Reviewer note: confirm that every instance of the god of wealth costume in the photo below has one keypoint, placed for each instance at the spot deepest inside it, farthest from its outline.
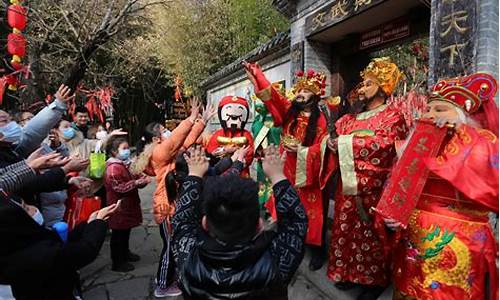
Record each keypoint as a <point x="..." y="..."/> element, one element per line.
<point x="365" y="153"/>
<point x="233" y="115"/>
<point x="448" y="250"/>
<point x="301" y="168"/>
<point x="265" y="134"/>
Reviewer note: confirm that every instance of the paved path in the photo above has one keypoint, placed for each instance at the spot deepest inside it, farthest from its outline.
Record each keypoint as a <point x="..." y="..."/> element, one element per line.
<point x="100" y="283"/>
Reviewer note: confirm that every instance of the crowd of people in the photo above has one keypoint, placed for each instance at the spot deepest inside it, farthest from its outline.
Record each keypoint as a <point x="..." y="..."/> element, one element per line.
<point x="228" y="236"/>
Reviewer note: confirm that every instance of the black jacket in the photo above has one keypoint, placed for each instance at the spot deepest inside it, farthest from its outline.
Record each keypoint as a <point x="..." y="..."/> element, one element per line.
<point x="259" y="269"/>
<point x="36" y="263"/>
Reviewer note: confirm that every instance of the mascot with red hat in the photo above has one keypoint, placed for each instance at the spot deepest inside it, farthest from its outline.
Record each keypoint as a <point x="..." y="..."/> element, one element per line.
<point x="233" y="116"/>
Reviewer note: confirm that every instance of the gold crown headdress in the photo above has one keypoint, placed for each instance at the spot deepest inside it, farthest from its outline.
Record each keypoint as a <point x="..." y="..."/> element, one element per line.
<point x="311" y="81"/>
<point x="385" y="72"/>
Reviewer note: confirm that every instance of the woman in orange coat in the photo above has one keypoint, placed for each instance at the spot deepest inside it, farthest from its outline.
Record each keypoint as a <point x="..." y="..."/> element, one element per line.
<point x="158" y="159"/>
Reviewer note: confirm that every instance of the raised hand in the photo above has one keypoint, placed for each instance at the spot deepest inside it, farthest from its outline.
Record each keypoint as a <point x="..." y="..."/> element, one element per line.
<point x="392" y="224"/>
<point x="82" y="183"/>
<point x="37" y="161"/>
<point x="104" y="213"/>
<point x="273" y="164"/>
<point x="240" y="154"/>
<point x="250" y="69"/>
<point x="208" y="112"/>
<point x="332" y="144"/>
<point x="64" y="94"/>
<point x="197" y="161"/>
<point x="76" y="164"/>
<point x="54" y="140"/>
<point x="195" y="108"/>
<point x="118" y="131"/>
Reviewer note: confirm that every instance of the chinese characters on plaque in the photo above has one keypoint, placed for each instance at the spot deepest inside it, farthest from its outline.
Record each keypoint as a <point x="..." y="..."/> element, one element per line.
<point x="454" y="38"/>
<point x="337" y="11"/>
<point x="297" y="58"/>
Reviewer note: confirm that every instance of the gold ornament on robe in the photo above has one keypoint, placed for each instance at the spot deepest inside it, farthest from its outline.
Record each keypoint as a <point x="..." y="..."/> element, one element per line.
<point x="235" y="141"/>
<point x="290" y="140"/>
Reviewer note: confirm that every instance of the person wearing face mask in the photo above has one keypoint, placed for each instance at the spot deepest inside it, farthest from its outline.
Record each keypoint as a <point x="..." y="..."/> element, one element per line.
<point x="363" y="148"/>
<point x="122" y="185"/>
<point x="35" y="261"/>
<point x="158" y="159"/>
<point x="102" y="133"/>
<point x="18" y="142"/>
<point x="81" y="147"/>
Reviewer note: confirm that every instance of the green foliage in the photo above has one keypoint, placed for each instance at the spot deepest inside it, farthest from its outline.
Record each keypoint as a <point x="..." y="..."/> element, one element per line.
<point x="197" y="38"/>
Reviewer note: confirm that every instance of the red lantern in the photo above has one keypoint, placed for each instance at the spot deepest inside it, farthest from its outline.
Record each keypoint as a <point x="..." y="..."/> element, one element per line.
<point x="16" y="16"/>
<point x="16" y="44"/>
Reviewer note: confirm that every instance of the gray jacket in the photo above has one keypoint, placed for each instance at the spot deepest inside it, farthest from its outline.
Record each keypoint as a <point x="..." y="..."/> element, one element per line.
<point x="52" y="204"/>
<point x="37" y="129"/>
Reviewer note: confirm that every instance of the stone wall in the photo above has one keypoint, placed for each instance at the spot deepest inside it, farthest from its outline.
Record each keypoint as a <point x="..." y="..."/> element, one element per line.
<point x="317" y="55"/>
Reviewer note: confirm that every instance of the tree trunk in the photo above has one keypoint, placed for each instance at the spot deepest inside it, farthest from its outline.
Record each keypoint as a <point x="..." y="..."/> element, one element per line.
<point x="76" y="72"/>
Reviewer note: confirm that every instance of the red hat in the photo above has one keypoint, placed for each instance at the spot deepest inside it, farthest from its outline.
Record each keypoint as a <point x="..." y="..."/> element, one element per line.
<point x="233" y="100"/>
<point x="473" y="94"/>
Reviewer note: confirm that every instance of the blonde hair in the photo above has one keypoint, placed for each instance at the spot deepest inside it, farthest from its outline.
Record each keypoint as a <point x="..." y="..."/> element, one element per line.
<point x="142" y="161"/>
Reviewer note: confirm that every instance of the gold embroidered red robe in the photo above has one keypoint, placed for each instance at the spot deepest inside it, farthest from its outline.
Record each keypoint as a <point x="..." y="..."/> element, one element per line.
<point x="304" y="167"/>
<point x="449" y="247"/>
<point x="222" y="138"/>
<point x="366" y="154"/>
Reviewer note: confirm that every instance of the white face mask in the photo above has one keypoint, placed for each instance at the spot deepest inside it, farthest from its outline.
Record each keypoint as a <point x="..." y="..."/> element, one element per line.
<point x="101" y="135"/>
<point x="166" y="134"/>
<point x="38" y="217"/>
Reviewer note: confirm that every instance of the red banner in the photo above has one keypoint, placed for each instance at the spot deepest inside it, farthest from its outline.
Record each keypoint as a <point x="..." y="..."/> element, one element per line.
<point x="409" y="175"/>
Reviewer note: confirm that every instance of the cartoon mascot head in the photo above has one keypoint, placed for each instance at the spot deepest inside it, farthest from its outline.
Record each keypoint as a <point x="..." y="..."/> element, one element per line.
<point x="233" y="113"/>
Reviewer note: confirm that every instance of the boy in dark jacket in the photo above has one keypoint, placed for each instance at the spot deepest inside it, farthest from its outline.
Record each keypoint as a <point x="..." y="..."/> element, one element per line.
<point x="225" y="254"/>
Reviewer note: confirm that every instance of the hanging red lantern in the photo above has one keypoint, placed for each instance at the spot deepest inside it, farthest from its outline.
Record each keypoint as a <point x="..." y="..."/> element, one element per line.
<point x="17" y="17"/>
<point x="16" y="44"/>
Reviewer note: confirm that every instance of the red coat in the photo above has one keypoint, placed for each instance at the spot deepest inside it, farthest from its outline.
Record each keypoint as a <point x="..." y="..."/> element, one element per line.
<point x="121" y="184"/>
<point x="213" y="144"/>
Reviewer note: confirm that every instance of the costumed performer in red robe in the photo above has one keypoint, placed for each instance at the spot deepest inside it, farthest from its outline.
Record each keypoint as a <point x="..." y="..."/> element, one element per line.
<point x="448" y="250"/>
<point x="304" y="120"/>
<point x="364" y="147"/>
<point x="233" y="115"/>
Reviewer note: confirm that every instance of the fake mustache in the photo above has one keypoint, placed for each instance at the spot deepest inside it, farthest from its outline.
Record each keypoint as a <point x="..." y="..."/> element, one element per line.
<point x="234" y="118"/>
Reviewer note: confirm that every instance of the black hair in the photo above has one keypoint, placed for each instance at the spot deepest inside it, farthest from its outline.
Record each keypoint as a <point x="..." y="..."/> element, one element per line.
<point x="113" y="144"/>
<point x="81" y="109"/>
<point x="312" y="125"/>
<point x="231" y="206"/>
<point x="176" y="177"/>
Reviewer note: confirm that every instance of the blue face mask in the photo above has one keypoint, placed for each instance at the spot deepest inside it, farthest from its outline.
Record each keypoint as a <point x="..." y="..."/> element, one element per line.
<point x="12" y="132"/>
<point x="68" y="133"/>
<point x="38" y="217"/>
<point x="124" y="154"/>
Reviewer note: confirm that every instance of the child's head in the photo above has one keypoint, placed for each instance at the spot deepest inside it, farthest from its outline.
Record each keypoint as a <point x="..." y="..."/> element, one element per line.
<point x="231" y="208"/>
<point x="118" y="148"/>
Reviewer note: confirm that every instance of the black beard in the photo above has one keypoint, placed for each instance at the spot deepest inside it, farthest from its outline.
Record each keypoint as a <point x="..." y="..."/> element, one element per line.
<point x="300" y="106"/>
<point x="234" y="128"/>
<point x="358" y="106"/>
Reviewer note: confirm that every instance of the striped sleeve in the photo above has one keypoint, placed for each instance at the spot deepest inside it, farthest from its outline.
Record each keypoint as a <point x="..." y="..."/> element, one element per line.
<point x="13" y="176"/>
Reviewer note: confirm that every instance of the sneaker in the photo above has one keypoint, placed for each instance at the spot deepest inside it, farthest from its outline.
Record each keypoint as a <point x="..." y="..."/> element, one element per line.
<point x="132" y="257"/>
<point x="124" y="267"/>
<point x="171" y="291"/>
